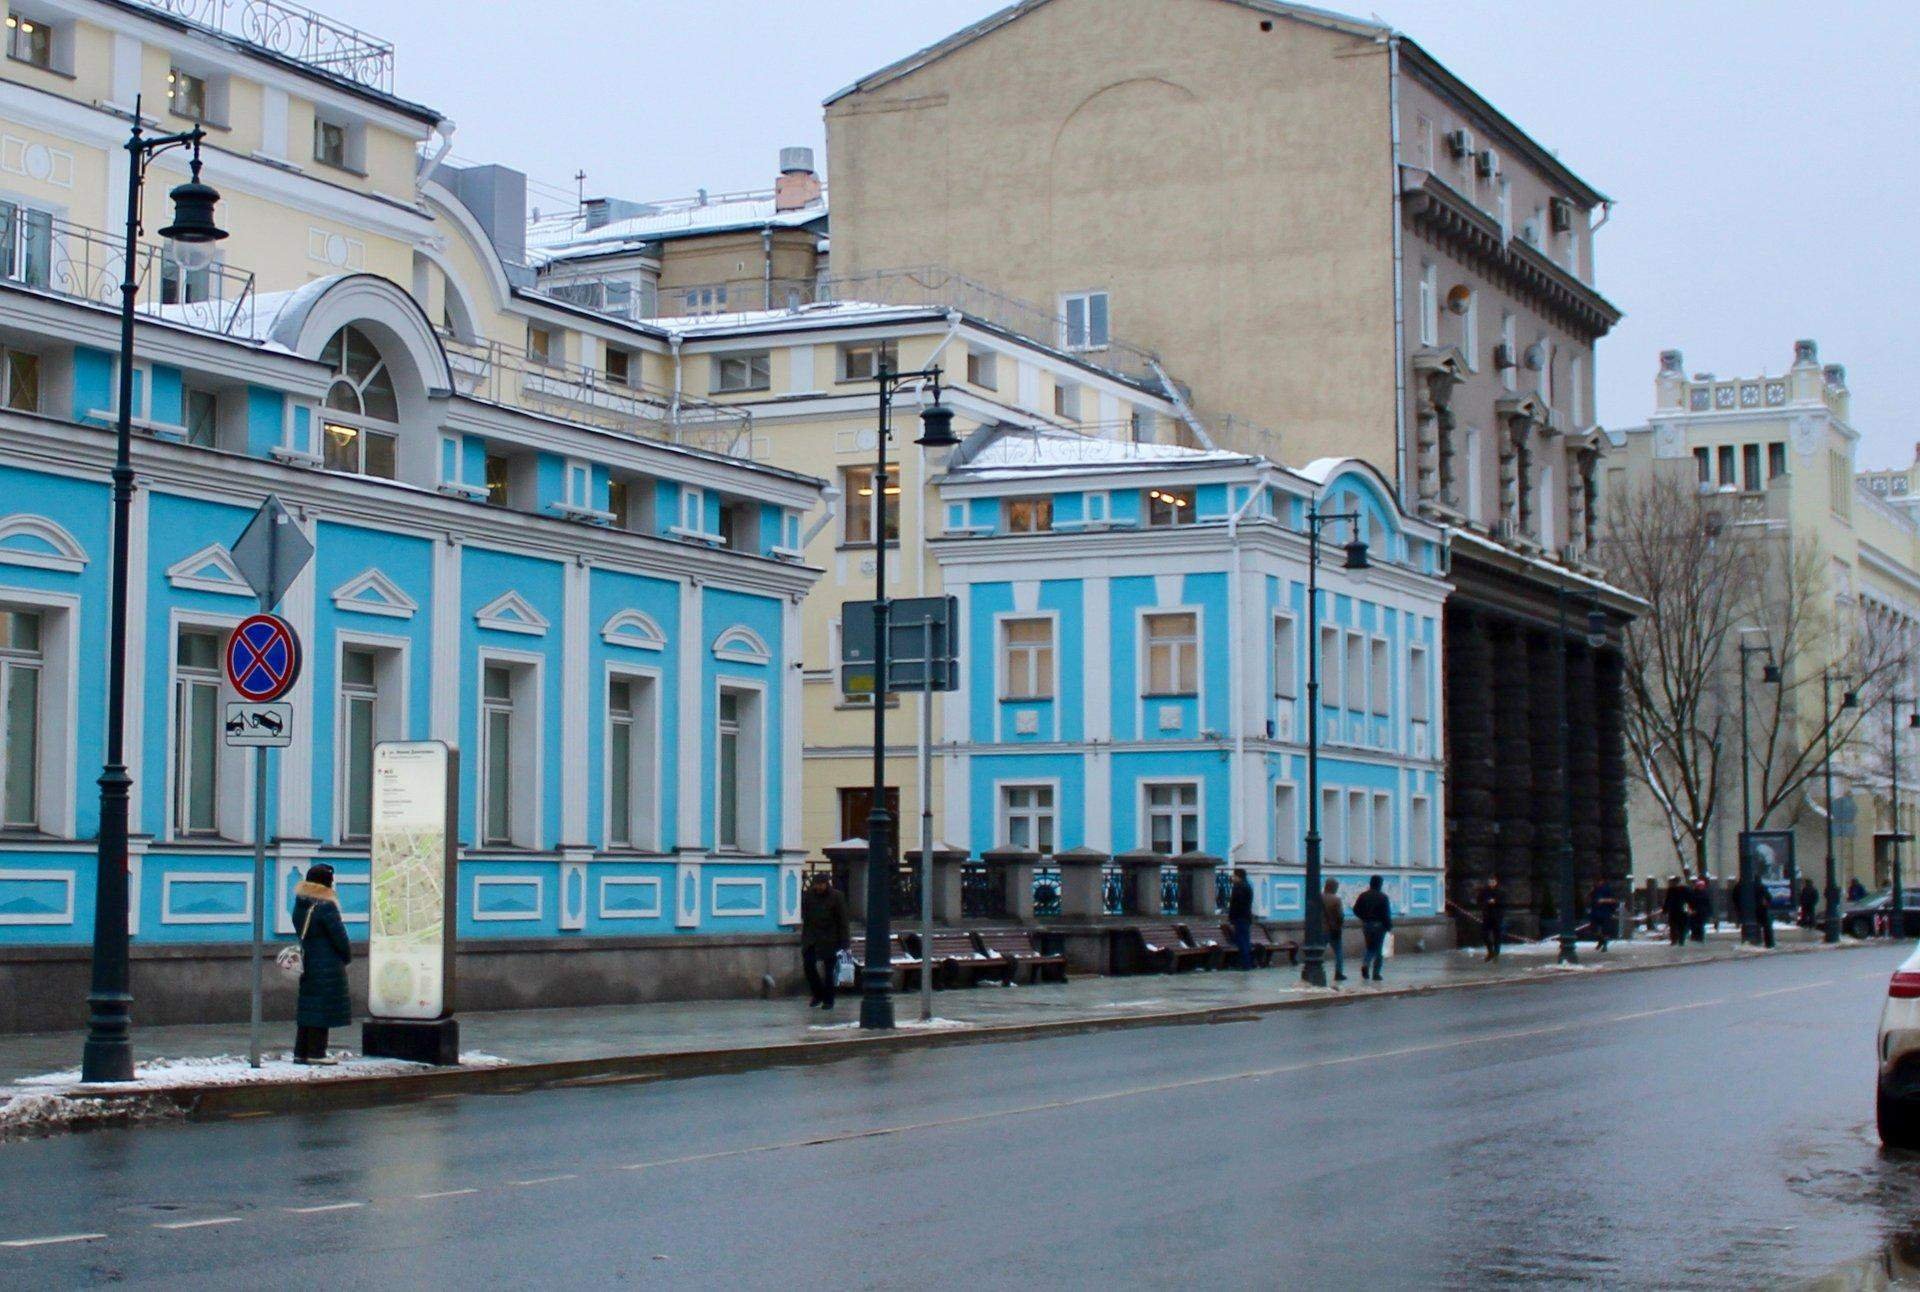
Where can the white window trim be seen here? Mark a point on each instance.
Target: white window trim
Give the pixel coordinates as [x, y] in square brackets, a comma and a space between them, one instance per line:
[1000, 622]
[754, 818]
[1144, 823]
[1003, 815]
[393, 663]
[1066, 328]
[1289, 844]
[1291, 667]
[525, 809]
[1143, 670]
[647, 839]
[1429, 303]
[234, 780]
[58, 773]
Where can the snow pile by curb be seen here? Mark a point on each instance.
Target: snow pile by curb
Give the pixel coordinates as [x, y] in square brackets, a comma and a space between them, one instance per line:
[233, 1070]
[25, 1113]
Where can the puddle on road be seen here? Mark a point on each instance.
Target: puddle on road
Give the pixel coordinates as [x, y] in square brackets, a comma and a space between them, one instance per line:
[1896, 1266]
[1889, 1184]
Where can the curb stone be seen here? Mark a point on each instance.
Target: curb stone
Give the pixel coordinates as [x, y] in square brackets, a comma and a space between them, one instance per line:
[255, 1099]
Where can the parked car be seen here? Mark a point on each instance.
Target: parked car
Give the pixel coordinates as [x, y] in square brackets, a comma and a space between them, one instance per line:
[1897, 1101]
[1861, 919]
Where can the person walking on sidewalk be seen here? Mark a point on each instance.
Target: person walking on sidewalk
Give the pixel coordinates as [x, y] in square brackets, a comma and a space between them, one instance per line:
[1493, 916]
[823, 935]
[325, 954]
[1809, 903]
[1762, 911]
[1335, 917]
[1375, 914]
[1240, 917]
[1699, 906]
[1603, 908]
[1856, 891]
[1674, 907]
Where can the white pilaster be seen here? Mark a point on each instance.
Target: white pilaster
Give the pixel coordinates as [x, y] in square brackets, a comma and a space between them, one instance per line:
[443, 715]
[793, 769]
[1096, 652]
[1097, 767]
[689, 761]
[575, 696]
[296, 760]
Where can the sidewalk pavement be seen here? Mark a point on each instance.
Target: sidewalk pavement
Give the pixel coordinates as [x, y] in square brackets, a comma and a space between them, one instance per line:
[201, 1069]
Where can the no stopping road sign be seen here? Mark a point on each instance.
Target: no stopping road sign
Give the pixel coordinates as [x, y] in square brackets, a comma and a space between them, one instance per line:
[263, 658]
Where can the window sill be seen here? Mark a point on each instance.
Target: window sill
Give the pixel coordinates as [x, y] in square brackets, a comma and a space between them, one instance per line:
[48, 68]
[892, 545]
[205, 123]
[1170, 695]
[342, 167]
[740, 390]
[1028, 699]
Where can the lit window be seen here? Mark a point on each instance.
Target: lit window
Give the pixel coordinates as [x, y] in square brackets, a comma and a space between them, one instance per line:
[20, 672]
[499, 474]
[1086, 320]
[866, 360]
[1029, 515]
[196, 736]
[29, 42]
[1026, 817]
[187, 95]
[1173, 654]
[737, 372]
[1169, 506]
[867, 509]
[360, 406]
[1027, 665]
[1173, 818]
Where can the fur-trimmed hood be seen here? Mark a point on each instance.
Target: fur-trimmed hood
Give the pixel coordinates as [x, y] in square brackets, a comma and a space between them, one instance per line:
[316, 892]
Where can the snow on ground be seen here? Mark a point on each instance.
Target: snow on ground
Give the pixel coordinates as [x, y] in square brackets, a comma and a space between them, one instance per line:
[233, 1070]
[39, 1113]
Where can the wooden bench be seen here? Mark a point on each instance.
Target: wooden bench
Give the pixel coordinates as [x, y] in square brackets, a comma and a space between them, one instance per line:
[1020, 946]
[1272, 946]
[955, 959]
[1200, 937]
[1169, 952]
[1262, 947]
[905, 969]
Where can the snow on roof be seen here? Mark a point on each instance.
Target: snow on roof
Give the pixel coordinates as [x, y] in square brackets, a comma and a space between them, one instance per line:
[817, 314]
[555, 238]
[1023, 452]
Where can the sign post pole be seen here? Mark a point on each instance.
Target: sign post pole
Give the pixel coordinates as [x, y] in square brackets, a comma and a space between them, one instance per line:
[259, 896]
[926, 820]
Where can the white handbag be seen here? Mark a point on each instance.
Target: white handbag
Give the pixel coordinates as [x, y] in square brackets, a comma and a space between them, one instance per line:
[843, 969]
[292, 960]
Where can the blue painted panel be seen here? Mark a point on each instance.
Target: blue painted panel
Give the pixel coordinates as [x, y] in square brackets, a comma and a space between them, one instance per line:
[630, 899]
[266, 416]
[92, 384]
[473, 459]
[550, 481]
[37, 896]
[167, 396]
[1125, 506]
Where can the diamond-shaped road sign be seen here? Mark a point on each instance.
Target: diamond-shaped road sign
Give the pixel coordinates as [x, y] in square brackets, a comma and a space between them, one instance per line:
[271, 552]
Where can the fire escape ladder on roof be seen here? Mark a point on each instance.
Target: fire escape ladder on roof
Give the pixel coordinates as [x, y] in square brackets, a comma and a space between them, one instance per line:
[1181, 406]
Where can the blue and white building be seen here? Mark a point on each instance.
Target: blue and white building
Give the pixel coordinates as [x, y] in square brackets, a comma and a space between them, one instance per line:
[1135, 662]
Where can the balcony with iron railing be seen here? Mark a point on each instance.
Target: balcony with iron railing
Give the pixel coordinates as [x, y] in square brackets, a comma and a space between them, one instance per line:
[42, 253]
[496, 373]
[295, 32]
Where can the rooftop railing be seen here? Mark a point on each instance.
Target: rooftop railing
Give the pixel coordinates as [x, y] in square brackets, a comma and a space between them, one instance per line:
[295, 32]
[42, 253]
[496, 373]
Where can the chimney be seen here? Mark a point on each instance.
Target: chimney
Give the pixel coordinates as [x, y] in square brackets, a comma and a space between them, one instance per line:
[497, 197]
[798, 186]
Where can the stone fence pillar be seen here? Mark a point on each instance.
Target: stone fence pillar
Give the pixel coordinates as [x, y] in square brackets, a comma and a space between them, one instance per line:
[1140, 882]
[1082, 883]
[946, 883]
[1199, 891]
[849, 858]
[1010, 876]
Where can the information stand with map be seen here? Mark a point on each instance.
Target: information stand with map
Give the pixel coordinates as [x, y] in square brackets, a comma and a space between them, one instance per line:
[410, 960]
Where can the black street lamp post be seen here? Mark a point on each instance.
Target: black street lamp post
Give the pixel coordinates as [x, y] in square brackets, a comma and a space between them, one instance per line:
[1848, 700]
[876, 975]
[1751, 890]
[109, 1049]
[1596, 636]
[1313, 957]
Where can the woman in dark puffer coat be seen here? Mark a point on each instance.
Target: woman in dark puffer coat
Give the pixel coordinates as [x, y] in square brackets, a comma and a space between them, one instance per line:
[326, 953]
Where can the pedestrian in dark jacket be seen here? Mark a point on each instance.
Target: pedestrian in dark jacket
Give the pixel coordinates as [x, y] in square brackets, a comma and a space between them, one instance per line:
[1699, 906]
[325, 954]
[823, 936]
[1493, 916]
[1334, 915]
[1762, 910]
[1603, 908]
[1674, 907]
[1375, 913]
[1856, 891]
[1240, 916]
[1809, 903]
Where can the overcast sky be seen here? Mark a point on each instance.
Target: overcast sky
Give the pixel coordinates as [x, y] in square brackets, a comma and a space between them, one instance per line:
[1762, 152]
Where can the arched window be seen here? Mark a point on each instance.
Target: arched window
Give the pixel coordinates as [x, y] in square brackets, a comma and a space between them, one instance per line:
[361, 413]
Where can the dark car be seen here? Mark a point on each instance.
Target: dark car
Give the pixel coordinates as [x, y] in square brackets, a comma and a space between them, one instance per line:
[1860, 919]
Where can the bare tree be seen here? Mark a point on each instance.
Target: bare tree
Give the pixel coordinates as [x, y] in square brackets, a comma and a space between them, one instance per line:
[1671, 546]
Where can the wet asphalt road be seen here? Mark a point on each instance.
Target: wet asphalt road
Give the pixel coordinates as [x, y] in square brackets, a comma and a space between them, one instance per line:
[1707, 1126]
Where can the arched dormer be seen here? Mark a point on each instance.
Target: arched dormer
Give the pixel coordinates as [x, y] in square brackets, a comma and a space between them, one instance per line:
[1354, 485]
[389, 373]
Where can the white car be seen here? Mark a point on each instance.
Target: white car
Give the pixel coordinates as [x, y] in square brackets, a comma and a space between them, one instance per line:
[1898, 1103]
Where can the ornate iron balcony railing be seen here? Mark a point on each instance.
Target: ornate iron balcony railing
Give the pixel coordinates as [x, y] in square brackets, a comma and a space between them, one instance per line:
[295, 32]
